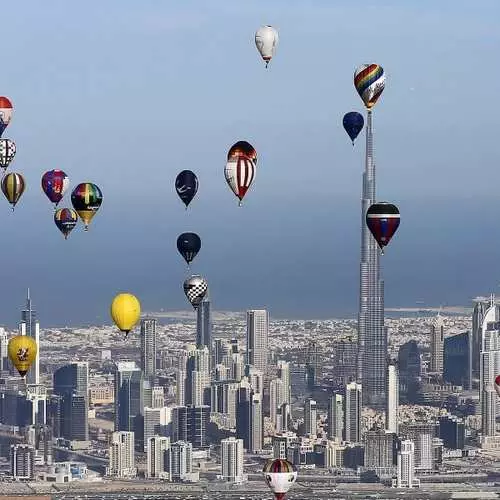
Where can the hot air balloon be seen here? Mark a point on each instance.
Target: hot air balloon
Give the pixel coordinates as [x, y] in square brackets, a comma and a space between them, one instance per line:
[497, 384]
[189, 245]
[266, 40]
[125, 311]
[65, 219]
[54, 185]
[86, 199]
[353, 123]
[383, 221]
[240, 168]
[22, 351]
[13, 187]
[279, 475]
[7, 152]
[6, 110]
[369, 80]
[186, 185]
[195, 288]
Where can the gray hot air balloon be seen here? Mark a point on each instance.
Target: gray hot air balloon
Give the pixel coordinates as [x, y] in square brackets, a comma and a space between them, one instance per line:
[195, 288]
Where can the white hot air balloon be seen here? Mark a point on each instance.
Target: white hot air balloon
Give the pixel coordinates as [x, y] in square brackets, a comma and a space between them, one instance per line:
[266, 40]
[497, 384]
[280, 475]
[195, 288]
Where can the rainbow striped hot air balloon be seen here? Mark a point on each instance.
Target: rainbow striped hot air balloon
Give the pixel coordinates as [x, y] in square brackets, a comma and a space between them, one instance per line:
[369, 80]
[86, 199]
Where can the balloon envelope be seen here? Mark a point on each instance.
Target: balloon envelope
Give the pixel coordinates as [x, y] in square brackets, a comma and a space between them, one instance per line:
[125, 311]
[369, 80]
[65, 219]
[22, 351]
[86, 199]
[188, 245]
[13, 186]
[353, 123]
[7, 152]
[186, 185]
[383, 221]
[6, 110]
[240, 168]
[54, 185]
[280, 475]
[195, 288]
[266, 41]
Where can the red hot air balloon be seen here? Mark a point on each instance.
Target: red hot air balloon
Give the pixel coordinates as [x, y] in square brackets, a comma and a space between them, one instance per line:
[497, 384]
[382, 220]
[240, 168]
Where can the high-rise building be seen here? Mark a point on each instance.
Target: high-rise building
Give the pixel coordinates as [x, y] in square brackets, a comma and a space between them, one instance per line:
[179, 464]
[257, 338]
[121, 455]
[30, 326]
[391, 413]
[249, 418]
[353, 402]
[310, 417]
[409, 367]
[232, 460]
[22, 461]
[148, 347]
[490, 366]
[372, 336]
[437, 345]
[406, 466]
[457, 355]
[256, 378]
[345, 358]
[204, 324]
[157, 422]
[198, 418]
[422, 436]
[4, 342]
[128, 395]
[275, 399]
[313, 363]
[40, 437]
[179, 423]
[71, 383]
[336, 417]
[157, 449]
[284, 376]
[380, 449]
[452, 432]
[197, 390]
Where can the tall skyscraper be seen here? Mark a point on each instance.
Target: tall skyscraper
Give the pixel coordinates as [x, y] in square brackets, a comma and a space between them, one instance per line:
[249, 418]
[409, 366]
[372, 336]
[490, 366]
[71, 383]
[30, 326]
[406, 466]
[344, 362]
[275, 400]
[437, 343]
[232, 460]
[157, 422]
[157, 449]
[148, 347]
[22, 461]
[284, 376]
[180, 461]
[257, 336]
[4, 342]
[128, 395]
[313, 363]
[457, 360]
[204, 324]
[121, 455]
[336, 417]
[353, 402]
[197, 390]
[391, 413]
[380, 449]
[310, 417]
[422, 436]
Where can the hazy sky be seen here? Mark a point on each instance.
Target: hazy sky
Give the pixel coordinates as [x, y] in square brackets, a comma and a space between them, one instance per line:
[126, 94]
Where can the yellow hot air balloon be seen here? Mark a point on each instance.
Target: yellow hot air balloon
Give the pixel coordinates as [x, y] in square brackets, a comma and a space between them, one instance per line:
[125, 311]
[22, 352]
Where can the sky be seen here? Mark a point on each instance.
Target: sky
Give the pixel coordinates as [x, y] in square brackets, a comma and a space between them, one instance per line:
[127, 94]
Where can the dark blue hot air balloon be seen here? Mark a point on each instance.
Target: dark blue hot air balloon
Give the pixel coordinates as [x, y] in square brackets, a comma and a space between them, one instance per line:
[383, 220]
[189, 245]
[186, 185]
[353, 123]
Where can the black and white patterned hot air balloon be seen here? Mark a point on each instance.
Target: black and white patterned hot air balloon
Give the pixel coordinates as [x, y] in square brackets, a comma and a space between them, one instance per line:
[195, 288]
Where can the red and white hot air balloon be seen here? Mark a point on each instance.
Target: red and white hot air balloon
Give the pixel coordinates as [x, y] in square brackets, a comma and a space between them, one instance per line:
[5, 113]
[240, 168]
[497, 384]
